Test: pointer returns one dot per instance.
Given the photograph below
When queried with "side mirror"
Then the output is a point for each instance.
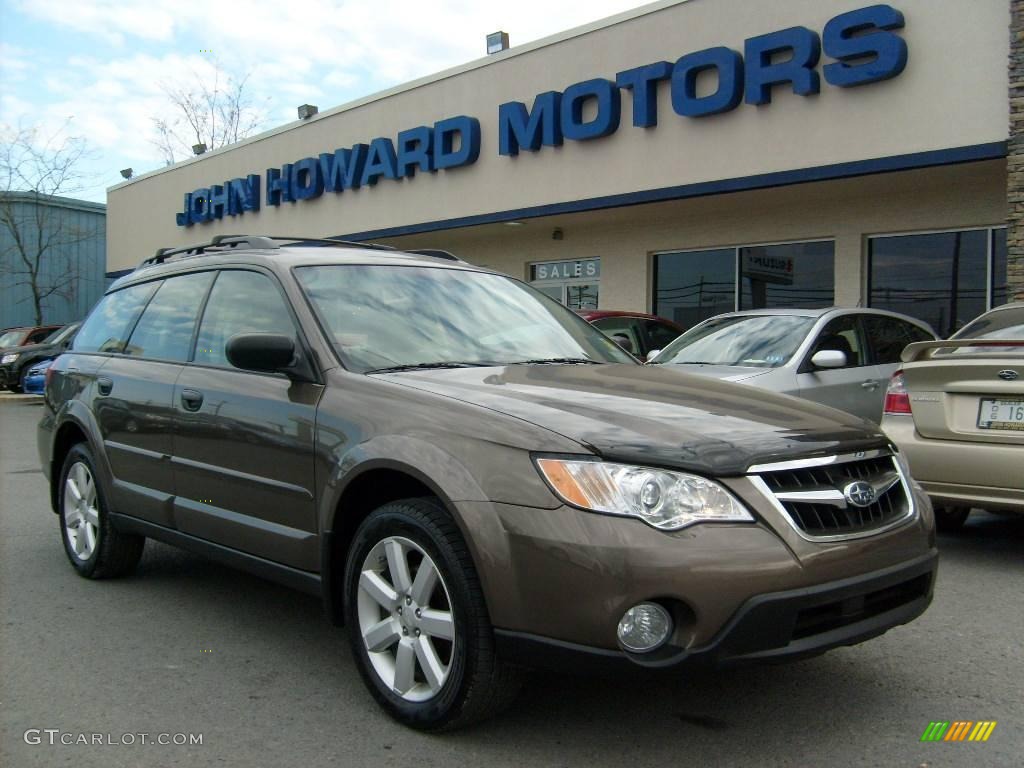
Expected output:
(653, 354)
(829, 358)
(268, 352)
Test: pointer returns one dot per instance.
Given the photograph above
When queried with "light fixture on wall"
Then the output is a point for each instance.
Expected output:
(199, 148)
(126, 173)
(497, 42)
(514, 224)
(557, 234)
(306, 111)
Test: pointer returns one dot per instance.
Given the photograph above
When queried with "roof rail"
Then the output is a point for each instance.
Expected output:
(435, 252)
(335, 241)
(218, 241)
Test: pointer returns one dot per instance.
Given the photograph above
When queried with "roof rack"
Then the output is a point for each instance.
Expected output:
(220, 243)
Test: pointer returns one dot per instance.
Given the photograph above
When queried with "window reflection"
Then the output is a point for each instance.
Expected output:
(384, 316)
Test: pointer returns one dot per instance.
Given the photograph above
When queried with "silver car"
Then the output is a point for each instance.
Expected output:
(837, 357)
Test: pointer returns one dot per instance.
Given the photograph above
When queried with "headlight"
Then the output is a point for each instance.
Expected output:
(663, 499)
(9, 358)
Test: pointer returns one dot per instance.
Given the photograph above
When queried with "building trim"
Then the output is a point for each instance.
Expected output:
(970, 154)
(55, 201)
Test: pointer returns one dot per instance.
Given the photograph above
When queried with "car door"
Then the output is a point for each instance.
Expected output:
(243, 441)
(134, 398)
(854, 388)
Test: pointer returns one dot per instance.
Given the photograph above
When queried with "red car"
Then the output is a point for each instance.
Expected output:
(636, 332)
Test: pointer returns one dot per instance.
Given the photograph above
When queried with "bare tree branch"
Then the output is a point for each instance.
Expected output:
(214, 109)
(34, 168)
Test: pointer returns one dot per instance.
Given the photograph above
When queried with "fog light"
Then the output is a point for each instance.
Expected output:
(644, 627)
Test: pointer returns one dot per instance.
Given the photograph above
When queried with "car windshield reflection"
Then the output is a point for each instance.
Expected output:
(752, 341)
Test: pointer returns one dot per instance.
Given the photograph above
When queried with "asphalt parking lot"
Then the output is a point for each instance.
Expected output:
(187, 646)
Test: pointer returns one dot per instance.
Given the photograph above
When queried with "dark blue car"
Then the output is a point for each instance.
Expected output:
(35, 379)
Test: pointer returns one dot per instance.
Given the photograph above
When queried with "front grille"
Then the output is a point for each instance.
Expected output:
(825, 499)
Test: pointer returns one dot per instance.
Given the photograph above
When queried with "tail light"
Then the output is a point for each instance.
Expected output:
(897, 401)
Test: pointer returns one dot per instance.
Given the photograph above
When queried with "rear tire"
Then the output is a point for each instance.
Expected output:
(95, 548)
(950, 519)
(409, 572)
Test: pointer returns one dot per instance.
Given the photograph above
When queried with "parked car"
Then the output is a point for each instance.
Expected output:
(956, 410)
(34, 381)
(29, 334)
(470, 476)
(636, 332)
(16, 361)
(837, 357)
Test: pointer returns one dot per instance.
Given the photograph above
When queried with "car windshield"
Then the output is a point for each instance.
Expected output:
(388, 317)
(753, 341)
(10, 338)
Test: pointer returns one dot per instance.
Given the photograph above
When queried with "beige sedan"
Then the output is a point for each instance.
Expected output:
(956, 411)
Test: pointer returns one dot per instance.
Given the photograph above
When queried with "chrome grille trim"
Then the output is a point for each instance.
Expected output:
(832, 496)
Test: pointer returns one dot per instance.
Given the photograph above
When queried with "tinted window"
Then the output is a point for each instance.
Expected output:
(165, 329)
(620, 326)
(842, 335)
(888, 336)
(240, 302)
(1004, 324)
(37, 336)
(108, 325)
(691, 287)
(659, 335)
(790, 275)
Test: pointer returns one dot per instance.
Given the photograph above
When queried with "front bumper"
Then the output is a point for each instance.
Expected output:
(778, 626)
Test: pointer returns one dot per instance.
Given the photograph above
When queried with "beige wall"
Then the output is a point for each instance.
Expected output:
(848, 211)
(952, 94)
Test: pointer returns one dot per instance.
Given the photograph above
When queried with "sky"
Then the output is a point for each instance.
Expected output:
(98, 69)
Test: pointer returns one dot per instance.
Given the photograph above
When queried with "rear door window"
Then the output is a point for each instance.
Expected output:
(659, 335)
(240, 302)
(164, 331)
(108, 325)
(887, 336)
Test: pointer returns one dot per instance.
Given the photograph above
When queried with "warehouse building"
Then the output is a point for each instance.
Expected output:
(686, 158)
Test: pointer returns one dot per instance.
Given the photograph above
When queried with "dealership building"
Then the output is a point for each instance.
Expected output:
(686, 158)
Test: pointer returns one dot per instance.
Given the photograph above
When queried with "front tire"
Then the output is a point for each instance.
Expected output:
(95, 548)
(951, 519)
(417, 621)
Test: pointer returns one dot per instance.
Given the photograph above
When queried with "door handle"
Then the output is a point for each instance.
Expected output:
(872, 385)
(104, 385)
(191, 399)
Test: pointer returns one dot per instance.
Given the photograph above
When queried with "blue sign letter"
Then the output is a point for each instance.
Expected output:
(184, 219)
(279, 185)
(606, 121)
(857, 35)
(519, 128)
(244, 195)
(307, 182)
(643, 82)
(729, 66)
(445, 131)
(380, 161)
(343, 169)
(218, 201)
(200, 210)
(415, 148)
(762, 74)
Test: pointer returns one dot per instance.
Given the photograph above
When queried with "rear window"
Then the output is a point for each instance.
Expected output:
(1001, 324)
(108, 325)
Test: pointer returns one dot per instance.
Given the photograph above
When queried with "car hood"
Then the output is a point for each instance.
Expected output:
(724, 372)
(645, 415)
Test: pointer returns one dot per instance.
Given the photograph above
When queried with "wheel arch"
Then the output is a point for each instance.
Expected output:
(75, 428)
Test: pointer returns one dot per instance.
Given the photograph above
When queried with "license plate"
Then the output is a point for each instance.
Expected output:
(1001, 414)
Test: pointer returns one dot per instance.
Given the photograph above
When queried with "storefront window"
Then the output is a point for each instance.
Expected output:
(941, 278)
(575, 283)
(692, 286)
(790, 275)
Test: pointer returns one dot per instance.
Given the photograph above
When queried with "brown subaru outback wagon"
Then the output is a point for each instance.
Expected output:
(471, 477)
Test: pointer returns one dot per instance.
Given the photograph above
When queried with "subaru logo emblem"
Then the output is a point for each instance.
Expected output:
(1008, 375)
(859, 494)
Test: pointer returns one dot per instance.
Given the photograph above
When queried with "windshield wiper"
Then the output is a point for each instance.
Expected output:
(558, 361)
(427, 366)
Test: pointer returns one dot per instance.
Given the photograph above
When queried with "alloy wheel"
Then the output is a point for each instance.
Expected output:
(81, 516)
